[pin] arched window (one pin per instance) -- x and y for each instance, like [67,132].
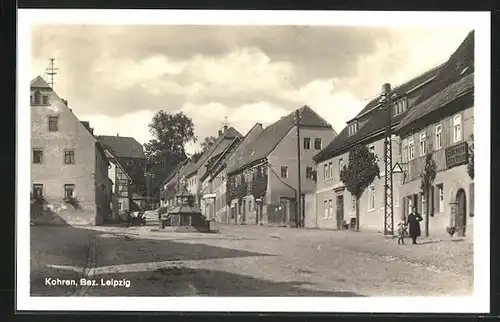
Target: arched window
[457,128]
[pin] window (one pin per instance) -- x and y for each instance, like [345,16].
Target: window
[45,100]
[307,143]
[325,173]
[371,198]
[309,171]
[69,190]
[438,137]
[404,150]
[423,148]
[37,99]
[330,202]
[330,170]
[411,149]
[317,144]
[284,171]
[440,195]
[38,189]
[53,123]
[249,205]
[326,209]
[341,165]
[69,157]
[352,128]
[37,156]
[457,128]
[399,106]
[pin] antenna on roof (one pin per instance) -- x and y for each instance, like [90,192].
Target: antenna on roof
[50,72]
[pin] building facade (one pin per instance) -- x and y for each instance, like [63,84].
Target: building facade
[263,183]
[442,126]
[128,162]
[334,203]
[68,162]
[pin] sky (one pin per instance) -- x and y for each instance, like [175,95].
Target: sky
[118,76]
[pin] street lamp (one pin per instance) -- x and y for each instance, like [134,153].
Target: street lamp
[386,103]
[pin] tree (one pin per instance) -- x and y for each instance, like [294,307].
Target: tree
[207,142]
[359,173]
[470,164]
[427,178]
[171,133]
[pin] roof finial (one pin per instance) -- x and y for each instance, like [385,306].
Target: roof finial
[50,72]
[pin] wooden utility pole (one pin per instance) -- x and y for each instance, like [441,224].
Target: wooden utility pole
[298,217]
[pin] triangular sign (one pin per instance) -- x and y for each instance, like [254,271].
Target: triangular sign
[397,168]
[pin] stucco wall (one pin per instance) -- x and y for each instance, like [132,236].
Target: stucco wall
[53,173]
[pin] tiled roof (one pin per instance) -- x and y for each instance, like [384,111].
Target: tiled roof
[377,119]
[39,82]
[273,134]
[121,146]
[454,80]
[217,147]
[254,133]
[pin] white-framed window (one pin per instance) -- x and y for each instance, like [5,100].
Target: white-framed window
[438,136]
[330,170]
[440,196]
[284,171]
[325,172]
[404,150]
[326,209]
[69,190]
[307,143]
[330,203]
[457,128]
[371,197]
[38,189]
[423,146]
[411,149]
[399,106]
[318,144]
[352,128]
[37,155]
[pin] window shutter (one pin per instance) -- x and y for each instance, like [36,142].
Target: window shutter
[432,200]
[471,198]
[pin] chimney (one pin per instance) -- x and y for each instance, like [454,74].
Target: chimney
[117,134]
[220,132]
[225,128]
[65,102]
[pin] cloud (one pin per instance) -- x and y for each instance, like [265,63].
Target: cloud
[120,76]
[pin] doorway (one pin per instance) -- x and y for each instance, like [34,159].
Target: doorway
[461,212]
[340,211]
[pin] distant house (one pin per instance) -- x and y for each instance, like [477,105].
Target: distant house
[68,162]
[172,185]
[213,183]
[120,188]
[333,202]
[194,171]
[442,123]
[262,179]
[128,154]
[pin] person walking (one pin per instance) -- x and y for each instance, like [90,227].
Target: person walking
[413,221]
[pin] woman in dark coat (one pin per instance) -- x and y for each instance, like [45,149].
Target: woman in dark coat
[413,222]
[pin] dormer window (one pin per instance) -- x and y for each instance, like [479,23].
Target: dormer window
[37,98]
[352,128]
[400,106]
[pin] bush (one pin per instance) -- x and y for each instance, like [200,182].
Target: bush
[72,201]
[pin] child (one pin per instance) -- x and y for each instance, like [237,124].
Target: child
[401,233]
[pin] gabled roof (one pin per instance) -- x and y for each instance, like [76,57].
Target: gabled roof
[174,172]
[217,147]
[376,117]
[270,137]
[454,80]
[213,164]
[120,146]
[39,82]
[253,134]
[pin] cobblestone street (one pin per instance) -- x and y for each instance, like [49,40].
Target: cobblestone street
[245,261]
